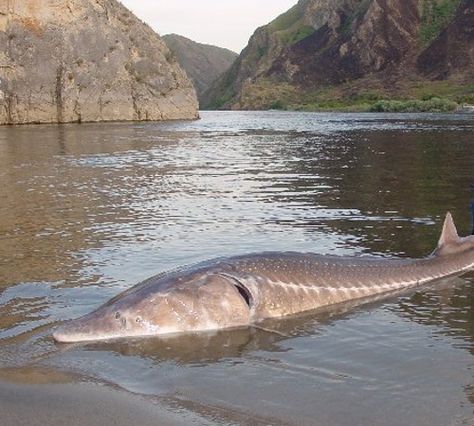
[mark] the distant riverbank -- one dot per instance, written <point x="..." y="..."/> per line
<point x="433" y="104"/>
<point x="417" y="96"/>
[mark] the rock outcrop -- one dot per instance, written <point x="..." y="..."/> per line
<point x="351" y="48"/>
<point x="86" y="60"/>
<point x="369" y="42"/>
<point x="203" y="63"/>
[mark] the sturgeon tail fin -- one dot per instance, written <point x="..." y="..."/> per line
<point x="449" y="236"/>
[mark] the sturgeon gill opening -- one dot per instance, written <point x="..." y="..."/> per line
<point x="245" y="293"/>
<point x="242" y="289"/>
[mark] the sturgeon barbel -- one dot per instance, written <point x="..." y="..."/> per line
<point x="242" y="290"/>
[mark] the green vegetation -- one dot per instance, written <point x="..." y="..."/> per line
<point x="291" y="37"/>
<point x="436" y="14"/>
<point x="254" y="54"/>
<point x="370" y="103"/>
<point x="364" y="105"/>
<point x="415" y="96"/>
<point x="289" y="26"/>
<point x="219" y="102"/>
<point x="430" y="105"/>
<point x="267" y="94"/>
<point x="459" y="93"/>
<point x="227" y="92"/>
<point x="278" y="104"/>
<point x="287" y="19"/>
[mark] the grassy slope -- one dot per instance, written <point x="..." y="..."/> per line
<point x="354" y="96"/>
<point x="289" y="27"/>
<point x="436" y="14"/>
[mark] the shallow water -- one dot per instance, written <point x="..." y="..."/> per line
<point x="88" y="210"/>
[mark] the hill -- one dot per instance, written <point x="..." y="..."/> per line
<point x="354" y="54"/>
<point x="203" y="63"/>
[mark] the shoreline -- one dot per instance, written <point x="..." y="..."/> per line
<point x="387" y="106"/>
<point x="83" y="403"/>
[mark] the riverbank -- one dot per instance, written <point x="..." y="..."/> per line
<point x="364" y="95"/>
<point x="82" y="404"/>
<point x="434" y="104"/>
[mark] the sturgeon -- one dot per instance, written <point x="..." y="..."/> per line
<point x="242" y="290"/>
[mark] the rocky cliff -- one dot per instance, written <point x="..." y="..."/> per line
<point x="203" y="63"/>
<point x="352" y="50"/>
<point x="86" y="60"/>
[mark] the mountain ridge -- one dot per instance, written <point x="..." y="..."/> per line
<point x="203" y="63"/>
<point x="334" y="54"/>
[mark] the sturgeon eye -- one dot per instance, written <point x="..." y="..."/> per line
<point x="138" y="320"/>
<point x="117" y="315"/>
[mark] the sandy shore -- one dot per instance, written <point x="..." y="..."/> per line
<point x="82" y="404"/>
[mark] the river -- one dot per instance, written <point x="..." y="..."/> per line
<point x="88" y="210"/>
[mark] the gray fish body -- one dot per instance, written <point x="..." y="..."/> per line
<point x="241" y="290"/>
<point x="287" y="283"/>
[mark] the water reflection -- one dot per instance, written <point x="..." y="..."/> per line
<point x="218" y="346"/>
<point x="450" y="309"/>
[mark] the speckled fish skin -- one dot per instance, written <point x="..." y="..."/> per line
<point x="241" y="290"/>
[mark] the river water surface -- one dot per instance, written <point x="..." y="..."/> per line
<point x="87" y="211"/>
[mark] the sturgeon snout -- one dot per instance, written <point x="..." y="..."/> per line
<point x="202" y="301"/>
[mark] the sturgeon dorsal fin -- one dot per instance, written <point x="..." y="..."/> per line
<point x="449" y="234"/>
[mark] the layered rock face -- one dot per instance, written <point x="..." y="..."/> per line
<point x="86" y="60"/>
<point x="387" y="46"/>
<point x="203" y="63"/>
<point x="359" y="39"/>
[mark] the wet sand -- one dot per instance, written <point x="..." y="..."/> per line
<point x="82" y="404"/>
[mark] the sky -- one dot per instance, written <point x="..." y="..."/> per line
<point x="224" y="23"/>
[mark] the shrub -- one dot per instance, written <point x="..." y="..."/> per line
<point x="278" y="104"/>
<point x="431" y="105"/>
